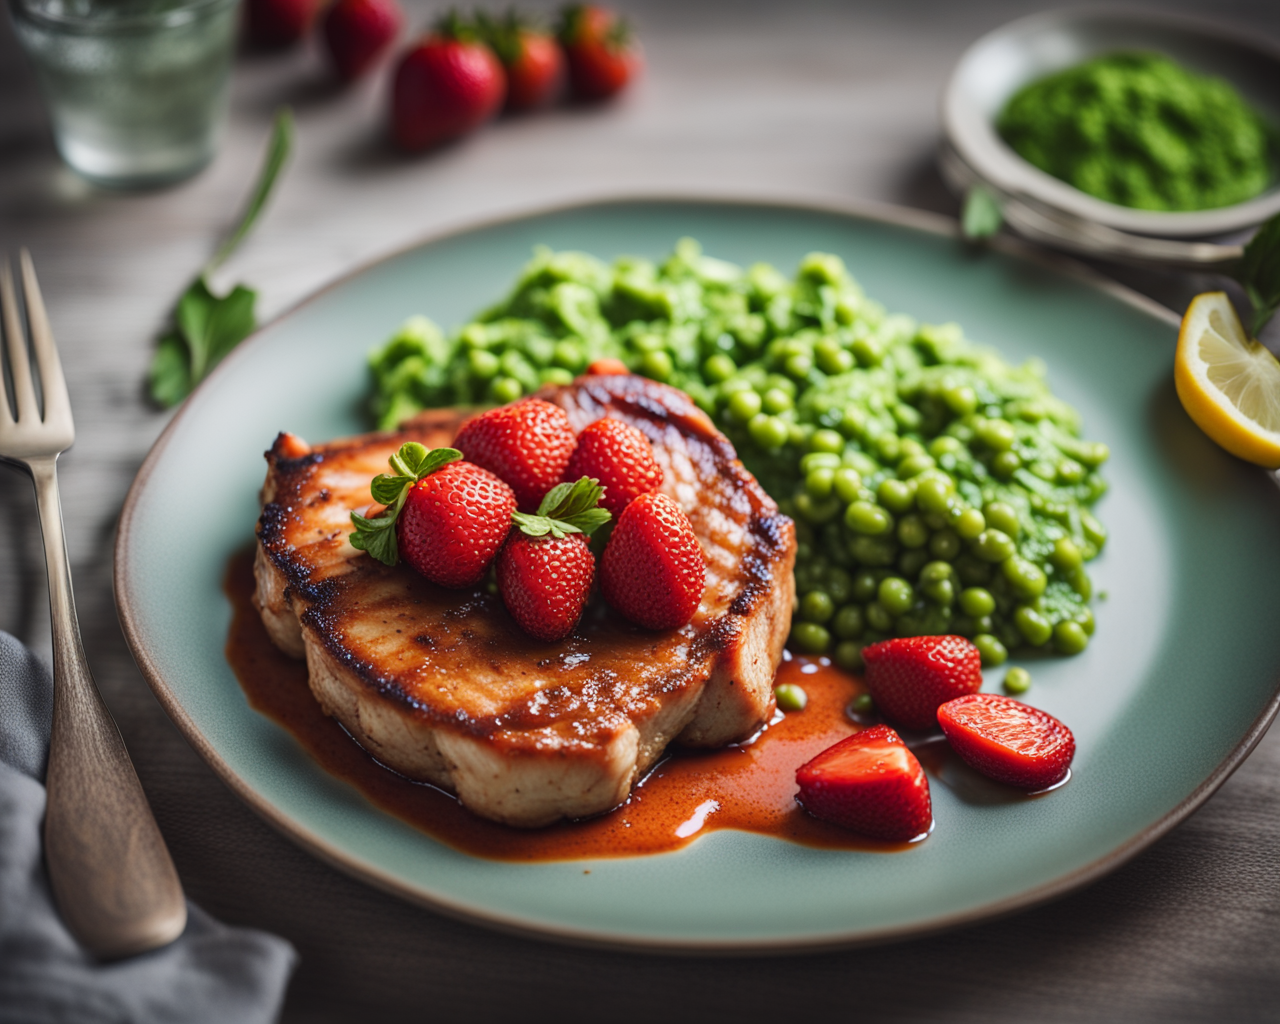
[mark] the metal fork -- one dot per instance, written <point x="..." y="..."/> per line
<point x="111" y="873"/>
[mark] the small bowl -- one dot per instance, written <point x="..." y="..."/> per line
<point x="1000" y="63"/>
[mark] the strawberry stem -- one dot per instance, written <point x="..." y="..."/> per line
<point x="566" y="508"/>
<point x="413" y="462"/>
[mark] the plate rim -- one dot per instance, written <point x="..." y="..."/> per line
<point x="882" y="213"/>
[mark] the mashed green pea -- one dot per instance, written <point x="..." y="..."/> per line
<point x="913" y="460"/>
<point x="1138" y="130"/>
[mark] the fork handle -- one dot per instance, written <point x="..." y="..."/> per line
<point x="111" y="873"/>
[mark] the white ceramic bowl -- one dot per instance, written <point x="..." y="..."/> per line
<point x="1003" y="61"/>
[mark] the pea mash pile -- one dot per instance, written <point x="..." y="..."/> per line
<point x="1138" y="130"/>
<point x="935" y="488"/>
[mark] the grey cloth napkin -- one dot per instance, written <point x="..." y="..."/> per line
<point x="211" y="973"/>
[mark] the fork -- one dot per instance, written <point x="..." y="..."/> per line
<point x="112" y="877"/>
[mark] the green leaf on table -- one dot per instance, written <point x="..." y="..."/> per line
<point x="1260" y="273"/>
<point x="982" y="216"/>
<point x="206" y="326"/>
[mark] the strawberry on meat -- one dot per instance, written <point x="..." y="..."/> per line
<point x="445" y="86"/>
<point x="607" y="367"/>
<point x="531" y="58"/>
<point x="279" y="23"/>
<point x="602" y="54"/>
<point x="357" y="31"/>
<point x="652" y="569"/>
<point x="527" y="444"/>
<point x="545" y="569"/>
<point x="445" y="517"/>
<point x="620" y="457"/>
<point x="911" y="677"/>
<point x="869" y="783"/>
<point x="1007" y="740"/>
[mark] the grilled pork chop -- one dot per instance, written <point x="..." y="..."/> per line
<point x="444" y="687"/>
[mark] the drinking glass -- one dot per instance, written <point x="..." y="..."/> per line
<point x="136" y="89"/>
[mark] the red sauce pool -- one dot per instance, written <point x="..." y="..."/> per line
<point x="750" y="788"/>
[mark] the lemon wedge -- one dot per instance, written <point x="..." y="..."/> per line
<point x="1228" y="383"/>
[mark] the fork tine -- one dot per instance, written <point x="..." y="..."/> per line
<point x="23" y="389"/>
<point x="57" y="403"/>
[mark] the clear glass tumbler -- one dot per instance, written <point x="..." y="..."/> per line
<point x="136" y="89"/>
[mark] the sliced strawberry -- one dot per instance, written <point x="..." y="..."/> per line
<point x="652" y="569"/>
<point x="546" y="568"/>
<point x="527" y="443"/>
<point x="911" y="677"/>
<point x="1007" y="740"/>
<point x="869" y="783"/>
<point x="620" y="457"/>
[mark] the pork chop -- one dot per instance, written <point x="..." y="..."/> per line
<point x="444" y="687"/>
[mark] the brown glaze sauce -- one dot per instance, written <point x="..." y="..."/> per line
<point x="750" y="787"/>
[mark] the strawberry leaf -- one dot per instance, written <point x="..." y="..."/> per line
<point x="411" y="463"/>
<point x="567" y="508"/>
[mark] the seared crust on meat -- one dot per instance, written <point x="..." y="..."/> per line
<point x="442" y="686"/>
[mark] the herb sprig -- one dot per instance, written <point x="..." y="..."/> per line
<point x="206" y="326"/>
<point x="567" y="508"/>
<point x="1260" y="273"/>
<point x="411" y="463"/>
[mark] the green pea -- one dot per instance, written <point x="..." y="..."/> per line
<point x="912" y="532"/>
<point x="1026" y="578"/>
<point x="878" y="617"/>
<point x="790" y="697"/>
<point x="849" y="622"/>
<point x="961" y="400"/>
<point x="909" y="448"/>
<point x="1032" y="625"/>
<point x="968" y="523"/>
<point x="906" y="416"/>
<point x="932" y="494"/>
<point x="867" y="519"/>
<point x="1069" y="637"/>
<point x="847" y="482"/>
<point x="775" y="400"/>
<point x="832" y="358"/>
<point x="719" y="367"/>
<point x="819" y="460"/>
<point x="1094" y="455"/>
<point x="944" y="544"/>
<point x="914" y="465"/>
<point x="996" y="434"/>
<point x="990" y="649"/>
<point x="875" y="551"/>
<point x="817" y="510"/>
<point x="768" y="431"/>
<point x="820" y="482"/>
<point x="1017" y="680"/>
<point x="896" y="595"/>
<point x="888" y="447"/>
<point x="483" y="364"/>
<point x="934" y="572"/>
<point x="810" y="638"/>
<point x="1081" y="583"/>
<point x="1066" y="556"/>
<point x="977" y="601"/>
<point x="853" y="422"/>
<point x="940" y="592"/>
<point x="798" y="366"/>
<point x="1005" y="464"/>
<point x="1085" y="617"/>
<point x="944" y="444"/>
<point x="1070" y="472"/>
<point x="555" y="375"/>
<point x="505" y="389"/>
<point x="817" y="606"/>
<point x="912" y="562"/>
<point x="657" y="365"/>
<point x="848" y="656"/>
<point x="865" y="586"/>
<point x="862" y="704"/>
<point x="994" y="545"/>
<point x="743" y="405"/>
<point x="826" y="441"/>
<point x="1094" y="531"/>
<point x="1001" y="516"/>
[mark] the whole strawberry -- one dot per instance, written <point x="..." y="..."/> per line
<point x="602" y="55"/>
<point x="910" y="678"/>
<point x="531" y="58"/>
<point x="445" y="86"/>
<point x="869" y="783"/>
<point x="620" y="457"/>
<point x="1007" y="740"/>
<point x="446" y="518"/>
<point x="652" y="569"/>
<point x="275" y="24"/>
<point x="357" y="31"/>
<point x="527" y="443"/>
<point x="545" y="569"/>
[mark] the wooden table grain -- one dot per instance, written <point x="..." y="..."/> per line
<point x="810" y="101"/>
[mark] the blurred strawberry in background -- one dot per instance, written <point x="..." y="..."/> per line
<point x="602" y="53"/>
<point x="275" y="24"/>
<point x="530" y="56"/>
<point x="356" y="32"/>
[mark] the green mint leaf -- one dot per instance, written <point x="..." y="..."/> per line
<point x="567" y="508"/>
<point x="170" y="376"/>
<point x="211" y="326"/>
<point x="277" y="153"/>
<point x="981" y="217"/>
<point x="387" y="489"/>
<point x="1260" y="273"/>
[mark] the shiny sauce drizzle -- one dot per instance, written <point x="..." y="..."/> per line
<point x="749" y="787"/>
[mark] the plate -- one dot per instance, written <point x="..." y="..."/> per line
<point x="1178" y="684"/>
<point x="1003" y="61"/>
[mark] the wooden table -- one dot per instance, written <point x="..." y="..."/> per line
<point x="807" y="101"/>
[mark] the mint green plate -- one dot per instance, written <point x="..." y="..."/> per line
<point x="1176" y="688"/>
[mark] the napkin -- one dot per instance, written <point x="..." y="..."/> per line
<point x="211" y="973"/>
